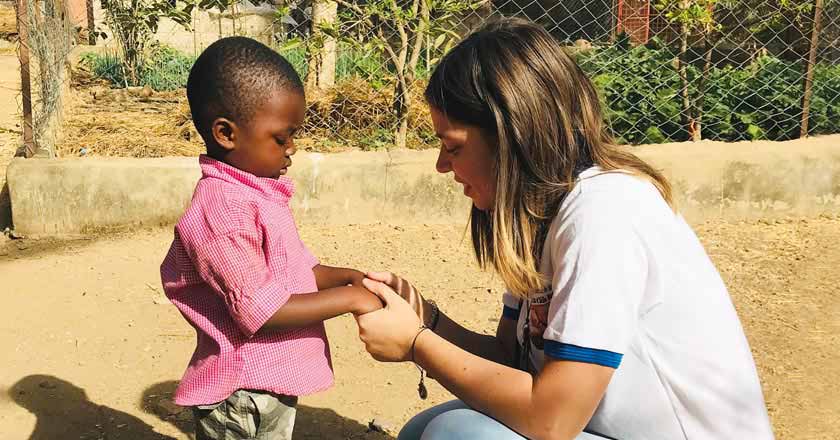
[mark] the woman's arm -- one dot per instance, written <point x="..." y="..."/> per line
<point x="490" y="347"/>
<point x="556" y="404"/>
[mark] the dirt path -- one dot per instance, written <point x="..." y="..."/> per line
<point x="92" y="350"/>
<point x="784" y="280"/>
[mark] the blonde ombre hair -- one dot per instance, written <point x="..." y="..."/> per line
<point x="515" y="82"/>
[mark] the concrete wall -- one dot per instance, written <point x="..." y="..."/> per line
<point x="711" y="180"/>
<point x="751" y="179"/>
<point x="257" y="22"/>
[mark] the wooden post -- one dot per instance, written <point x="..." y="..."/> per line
<point x="809" y="73"/>
<point x="91" y="25"/>
<point x="614" y="8"/>
<point x="25" y="87"/>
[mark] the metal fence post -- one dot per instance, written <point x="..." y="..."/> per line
<point x="91" y="25"/>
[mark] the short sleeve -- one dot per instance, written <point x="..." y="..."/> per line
<point x="309" y="258"/>
<point x="234" y="266"/>
<point x="599" y="274"/>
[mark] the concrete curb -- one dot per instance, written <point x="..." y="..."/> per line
<point x="62" y="197"/>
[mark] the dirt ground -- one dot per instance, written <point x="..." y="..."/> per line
<point x="92" y="349"/>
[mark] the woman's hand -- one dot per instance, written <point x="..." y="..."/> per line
<point x="388" y="333"/>
<point x="404" y="289"/>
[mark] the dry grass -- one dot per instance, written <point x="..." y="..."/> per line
<point x="144" y="123"/>
<point x="360" y="114"/>
<point x="126" y="123"/>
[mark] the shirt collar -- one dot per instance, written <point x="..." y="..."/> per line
<point x="281" y="188"/>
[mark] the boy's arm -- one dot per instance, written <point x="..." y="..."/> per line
<point x="233" y="264"/>
<point x="312" y="308"/>
<point x="327" y="277"/>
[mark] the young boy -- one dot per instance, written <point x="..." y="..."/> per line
<point x="237" y="269"/>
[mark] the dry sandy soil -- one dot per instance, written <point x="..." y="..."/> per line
<point x="91" y="349"/>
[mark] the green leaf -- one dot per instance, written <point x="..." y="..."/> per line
<point x="754" y="132"/>
<point x="439" y="41"/>
<point x="653" y="135"/>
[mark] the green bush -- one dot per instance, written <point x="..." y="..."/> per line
<point x="165" y="68"/>
<point x="639" y="87"/>
<point x="350" y="62"/>
<point x="296" y="55"/>
<point x="107" y="66"/>
<point x="640" y="90"/>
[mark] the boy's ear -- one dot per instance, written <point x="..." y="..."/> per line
<point x="224" y="133"/>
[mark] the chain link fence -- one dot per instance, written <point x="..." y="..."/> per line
<point x="45" y="38"/>
<point x="667" y="70"/>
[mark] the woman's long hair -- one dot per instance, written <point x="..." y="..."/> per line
<point x="511" y="79"/>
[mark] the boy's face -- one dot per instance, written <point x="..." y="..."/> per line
<point x="264" y="145"/>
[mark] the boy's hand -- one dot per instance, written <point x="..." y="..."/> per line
<point x="356" y="279"/>
<point x="365" y="301"/>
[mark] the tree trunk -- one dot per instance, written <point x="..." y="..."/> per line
<point x="91" y="25"/>
<point x="406" y="66"/>
<point x="701" y="88"/>
<point x="401" y="105"/>
<point x="809" y="69"/>
<point x="221" y="12"/>
<point x="322" y="59"/>
<point x="682" y="70"/>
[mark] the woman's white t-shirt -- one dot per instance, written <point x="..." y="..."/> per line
<point x="633" y="289"/>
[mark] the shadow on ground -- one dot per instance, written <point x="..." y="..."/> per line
<point x="5" y="207"/>
<point x="64" y="411"/>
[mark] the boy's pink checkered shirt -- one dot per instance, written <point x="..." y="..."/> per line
<point x="235" y="260"/>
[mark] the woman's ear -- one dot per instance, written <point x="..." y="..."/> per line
<point x="224" y="133"/>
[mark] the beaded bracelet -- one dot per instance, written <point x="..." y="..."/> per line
<point x="421" y="387"/>
<point x="435" y="315"/>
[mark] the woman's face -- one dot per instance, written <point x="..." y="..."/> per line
<point x="471" y="157"/>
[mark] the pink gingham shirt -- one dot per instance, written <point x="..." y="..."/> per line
<point x="235" y="260"/>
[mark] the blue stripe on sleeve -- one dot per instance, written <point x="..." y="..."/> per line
<point x="510" y="313"/>
<point x="569" y="352"/>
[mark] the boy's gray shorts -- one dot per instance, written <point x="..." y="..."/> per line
<point x="247" y="414"/>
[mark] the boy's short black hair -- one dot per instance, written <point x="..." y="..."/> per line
<point x="232" y="78"/>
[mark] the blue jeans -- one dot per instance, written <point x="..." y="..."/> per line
<point x="456" y="421"/>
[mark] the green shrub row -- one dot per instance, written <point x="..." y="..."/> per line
<point x="639" y="86"/>
<point x="640" y="89"/>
